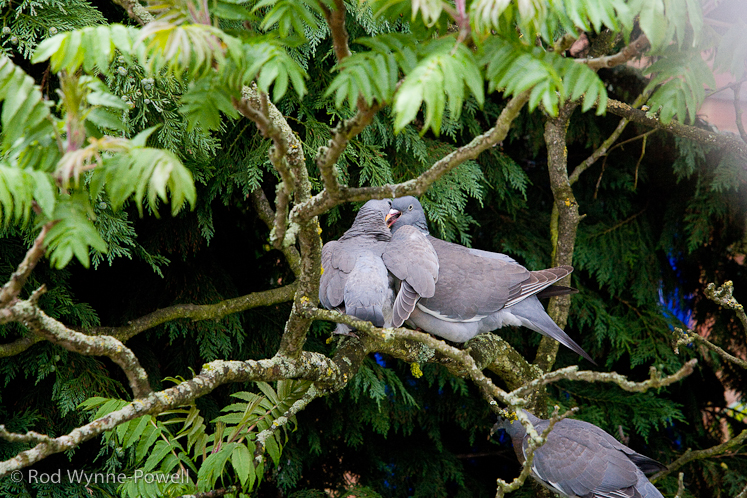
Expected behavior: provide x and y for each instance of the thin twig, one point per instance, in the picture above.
(690, 455)
(638, 163)
(680, 485)
(738, 111)
(323, 201)
(310, 395)
(655, 380)
(723, 141)
(535, 442)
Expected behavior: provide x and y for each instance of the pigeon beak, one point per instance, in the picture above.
(391, 217)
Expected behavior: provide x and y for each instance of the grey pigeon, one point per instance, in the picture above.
(480, 291)
(580, 460)
(355, 279)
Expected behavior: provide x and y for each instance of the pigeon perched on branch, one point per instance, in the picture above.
(361, 270)
(480, 291)
(580, 460)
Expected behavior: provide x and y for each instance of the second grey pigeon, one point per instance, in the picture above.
(356, 276)
(480, 291)
(580, 460)
(354, 279)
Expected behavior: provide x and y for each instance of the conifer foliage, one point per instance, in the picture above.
(169, 172)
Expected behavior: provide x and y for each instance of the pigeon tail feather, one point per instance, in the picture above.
(645, 488)
(533, 316)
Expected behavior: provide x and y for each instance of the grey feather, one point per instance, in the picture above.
(581, 460)
(479, 291)
(411, 258)
(354, 278)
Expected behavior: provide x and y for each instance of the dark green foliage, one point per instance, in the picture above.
(655, 230)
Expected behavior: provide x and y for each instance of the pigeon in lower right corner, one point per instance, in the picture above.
(480, 291)
(580, 460)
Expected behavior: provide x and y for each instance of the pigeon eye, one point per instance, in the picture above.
(410, 208)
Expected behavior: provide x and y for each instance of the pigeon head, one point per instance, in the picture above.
(513, 426)
(371, 221)
(407, 211)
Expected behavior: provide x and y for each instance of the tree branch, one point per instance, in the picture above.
(266, 214)
(288, 153)
(690, 455)
(684, 337)
(655, 380)
(605, 147)
(564, 224)
(281, 421)
(723, 296)
(336, 22)
(323, 201)
(55, 332)
(194, 312)
(259, 113)
(738, 112)
(14, 285)
(135, 11)
(721, 140)
(635, 48)
(197, 312)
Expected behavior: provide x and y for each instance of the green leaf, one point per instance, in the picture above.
(229, 10)
(25, 115)
(243, 463)
(448, 70)
(17, 189)
(73, 233)
(145, 171)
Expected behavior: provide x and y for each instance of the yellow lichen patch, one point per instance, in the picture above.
(330, 339)
(415, 370)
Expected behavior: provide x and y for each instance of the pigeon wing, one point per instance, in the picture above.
(472, 284)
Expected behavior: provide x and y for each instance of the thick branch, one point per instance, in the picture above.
(135, 11)
(18, 279)
(259, 112)
(20, 345)
(312, 366)
(197, 312)
(723, 141)
(635, 48)
(323, 201)
(336, 22)
(55, 332)
(565, 219)
(289, 152)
